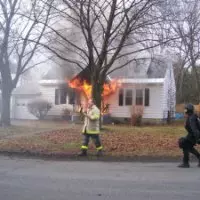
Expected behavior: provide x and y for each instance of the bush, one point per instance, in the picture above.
(66, 114)
(136, 115)
(39, 108)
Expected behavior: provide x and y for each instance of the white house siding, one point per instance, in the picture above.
(48, 93)
(165, 95)
(153, 111)
(172, 91)
(169, 93)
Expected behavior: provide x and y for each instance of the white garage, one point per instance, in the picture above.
(21, 110)
(21, 97)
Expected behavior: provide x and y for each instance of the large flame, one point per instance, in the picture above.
(108, 88)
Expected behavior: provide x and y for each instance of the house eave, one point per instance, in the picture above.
(52, 82)
(143, 81)
(27, 94)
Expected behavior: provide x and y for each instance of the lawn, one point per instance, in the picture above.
(27, 128)
(118, 141)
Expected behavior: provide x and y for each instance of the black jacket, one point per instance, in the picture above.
(191, 125)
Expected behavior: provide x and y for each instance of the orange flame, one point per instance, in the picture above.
(108, 88)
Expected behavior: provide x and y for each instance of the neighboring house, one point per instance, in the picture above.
(150, 84)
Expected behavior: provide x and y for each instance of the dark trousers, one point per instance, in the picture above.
(95, 138)
(187, 148)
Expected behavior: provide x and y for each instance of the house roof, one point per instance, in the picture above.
(144, 68)
(52, 82)
(27, 89)
(61, 73)
(157, 68)
(53, 74)
(84, 75)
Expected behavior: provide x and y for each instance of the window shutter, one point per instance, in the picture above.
(147, 96)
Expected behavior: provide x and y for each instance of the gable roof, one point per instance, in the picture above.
(60, 73)
(144, 68)
(53, 74)
(157, 68)
(84, 75)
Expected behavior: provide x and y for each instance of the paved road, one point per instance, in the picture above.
(26, 179)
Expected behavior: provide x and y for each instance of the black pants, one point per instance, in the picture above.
(187, 148)
(95, 138)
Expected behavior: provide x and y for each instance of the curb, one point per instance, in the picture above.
(74, 157)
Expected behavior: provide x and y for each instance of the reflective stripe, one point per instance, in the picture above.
(95, 116)
(91, 132)
(84, 147)
(99, 148)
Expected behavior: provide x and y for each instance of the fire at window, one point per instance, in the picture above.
(83, 85)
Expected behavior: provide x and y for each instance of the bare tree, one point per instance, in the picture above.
(102, 33)
(185, 25)
(20, 21)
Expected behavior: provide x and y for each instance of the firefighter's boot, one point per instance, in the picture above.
(99, 153)
(83, 153)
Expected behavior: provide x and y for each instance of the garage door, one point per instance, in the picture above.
(21, 110)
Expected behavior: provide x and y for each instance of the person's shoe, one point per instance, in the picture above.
(184, 165)
(83, 153)
(99, 153)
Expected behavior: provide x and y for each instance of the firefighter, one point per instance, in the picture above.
(91, 128)
(187, 143)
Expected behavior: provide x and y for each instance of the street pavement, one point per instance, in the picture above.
(31, 179)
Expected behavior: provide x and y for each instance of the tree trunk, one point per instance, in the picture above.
(97, 90)
(5, 104)
(197, 84)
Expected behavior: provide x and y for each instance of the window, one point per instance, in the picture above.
(129, 98)
(57, 96)
(146, 97)
(121, 97)
(63, 95)
(60, 96)
(71, 95)
(139, 97)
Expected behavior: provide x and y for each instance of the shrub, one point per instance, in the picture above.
(39, 108)
(136, 115)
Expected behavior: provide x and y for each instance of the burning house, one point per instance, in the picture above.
(149, 85)
(148, 88)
